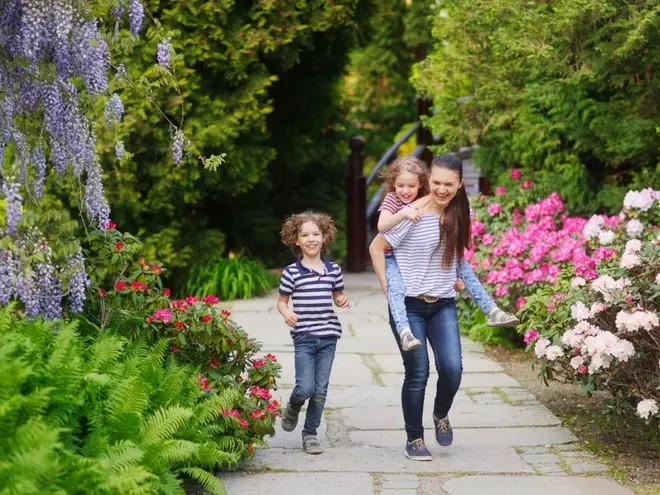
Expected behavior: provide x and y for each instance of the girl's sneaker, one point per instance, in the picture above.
(408, 340)
(498, 318)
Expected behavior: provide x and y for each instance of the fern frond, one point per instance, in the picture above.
(206, 479)
(209, 455)
(134, 480)
(121, 455)
(173, 453)
(168, 484)
(104, 353)
(164, 423)
(126, 403)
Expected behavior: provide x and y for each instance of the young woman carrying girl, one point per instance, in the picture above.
(428, 252)
(405, 181)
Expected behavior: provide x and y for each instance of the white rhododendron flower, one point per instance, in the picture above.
(609, 287)
(579, 311)
(630, 260)
(633, 246)
(657, 278)
(647, 408)
(578, 282)
(634, 227)
(553, 352)
(636, 321)
(592, 227)
(639, 200)
(606, 237)
(540, 347)
(576, 362)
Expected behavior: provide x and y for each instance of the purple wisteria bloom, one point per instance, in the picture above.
(135, 16)
(6, 276)
(164, 53)
(78, 283)
(13, 202)
(177, 146)
(114, 109)
(50, 291)
(39, 160)
(119, 150)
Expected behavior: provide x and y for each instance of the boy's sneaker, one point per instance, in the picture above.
(290, 418)
(443, 432)
(311, 445)
(417, 451)
(498, 318)
(408, 341)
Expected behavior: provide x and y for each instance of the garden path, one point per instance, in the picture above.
(505, 443)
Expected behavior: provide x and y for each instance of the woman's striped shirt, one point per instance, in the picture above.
(420, 259)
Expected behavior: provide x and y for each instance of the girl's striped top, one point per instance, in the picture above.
(420, 259)
(311, 293)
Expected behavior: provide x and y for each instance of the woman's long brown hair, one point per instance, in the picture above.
(455, 224)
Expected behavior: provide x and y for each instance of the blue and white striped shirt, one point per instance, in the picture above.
(420, 259)
(311, 293)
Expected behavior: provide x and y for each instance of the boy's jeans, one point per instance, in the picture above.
(313, 362)
(396, 291)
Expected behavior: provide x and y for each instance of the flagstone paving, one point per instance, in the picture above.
(505, 441)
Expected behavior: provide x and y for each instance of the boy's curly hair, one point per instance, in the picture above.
(292, 225)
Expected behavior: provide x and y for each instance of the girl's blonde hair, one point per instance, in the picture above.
(291, 228)
(409, 164)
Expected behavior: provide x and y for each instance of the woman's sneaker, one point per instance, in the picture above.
(408, 341)
(443, 432)
(498, 318)
(417, 451)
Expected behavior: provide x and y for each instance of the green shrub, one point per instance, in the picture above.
(235, 277)
(102, 416)
(472, 323)
(131, 301)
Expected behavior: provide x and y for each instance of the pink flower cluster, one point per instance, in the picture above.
(534, 248)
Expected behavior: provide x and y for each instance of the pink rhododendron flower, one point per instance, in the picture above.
(210, 299)
(487, 239)
(163, 315)
(494, 209)
(520, 302)
(527, 184)
(531, 336)
(500, 191)
(515, 174)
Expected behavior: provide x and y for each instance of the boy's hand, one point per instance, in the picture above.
(342, 302)
(412, 213)
(290, 318)
(459, 285)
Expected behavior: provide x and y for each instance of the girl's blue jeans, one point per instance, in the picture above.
(396, 291)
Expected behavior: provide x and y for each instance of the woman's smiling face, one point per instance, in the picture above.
(444, 184)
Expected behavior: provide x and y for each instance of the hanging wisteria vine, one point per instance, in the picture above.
(54, 63)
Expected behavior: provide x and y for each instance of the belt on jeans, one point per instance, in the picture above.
(428, 299)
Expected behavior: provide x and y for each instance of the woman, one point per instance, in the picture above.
(427, 252)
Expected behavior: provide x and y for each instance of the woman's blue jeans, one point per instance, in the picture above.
(437, 322)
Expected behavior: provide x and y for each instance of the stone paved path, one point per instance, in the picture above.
(505, 441)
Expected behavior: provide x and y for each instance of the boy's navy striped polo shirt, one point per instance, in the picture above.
(311, 294)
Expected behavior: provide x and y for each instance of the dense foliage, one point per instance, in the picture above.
(260, 84)
(561, 89)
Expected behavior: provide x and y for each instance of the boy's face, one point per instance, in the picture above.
(310, 239)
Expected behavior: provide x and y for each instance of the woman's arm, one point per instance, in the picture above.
(377, 253)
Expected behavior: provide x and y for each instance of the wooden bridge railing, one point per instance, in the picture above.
(362, 215)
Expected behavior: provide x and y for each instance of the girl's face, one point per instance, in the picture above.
(406, 187)
(310, 239)
(444, 185)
